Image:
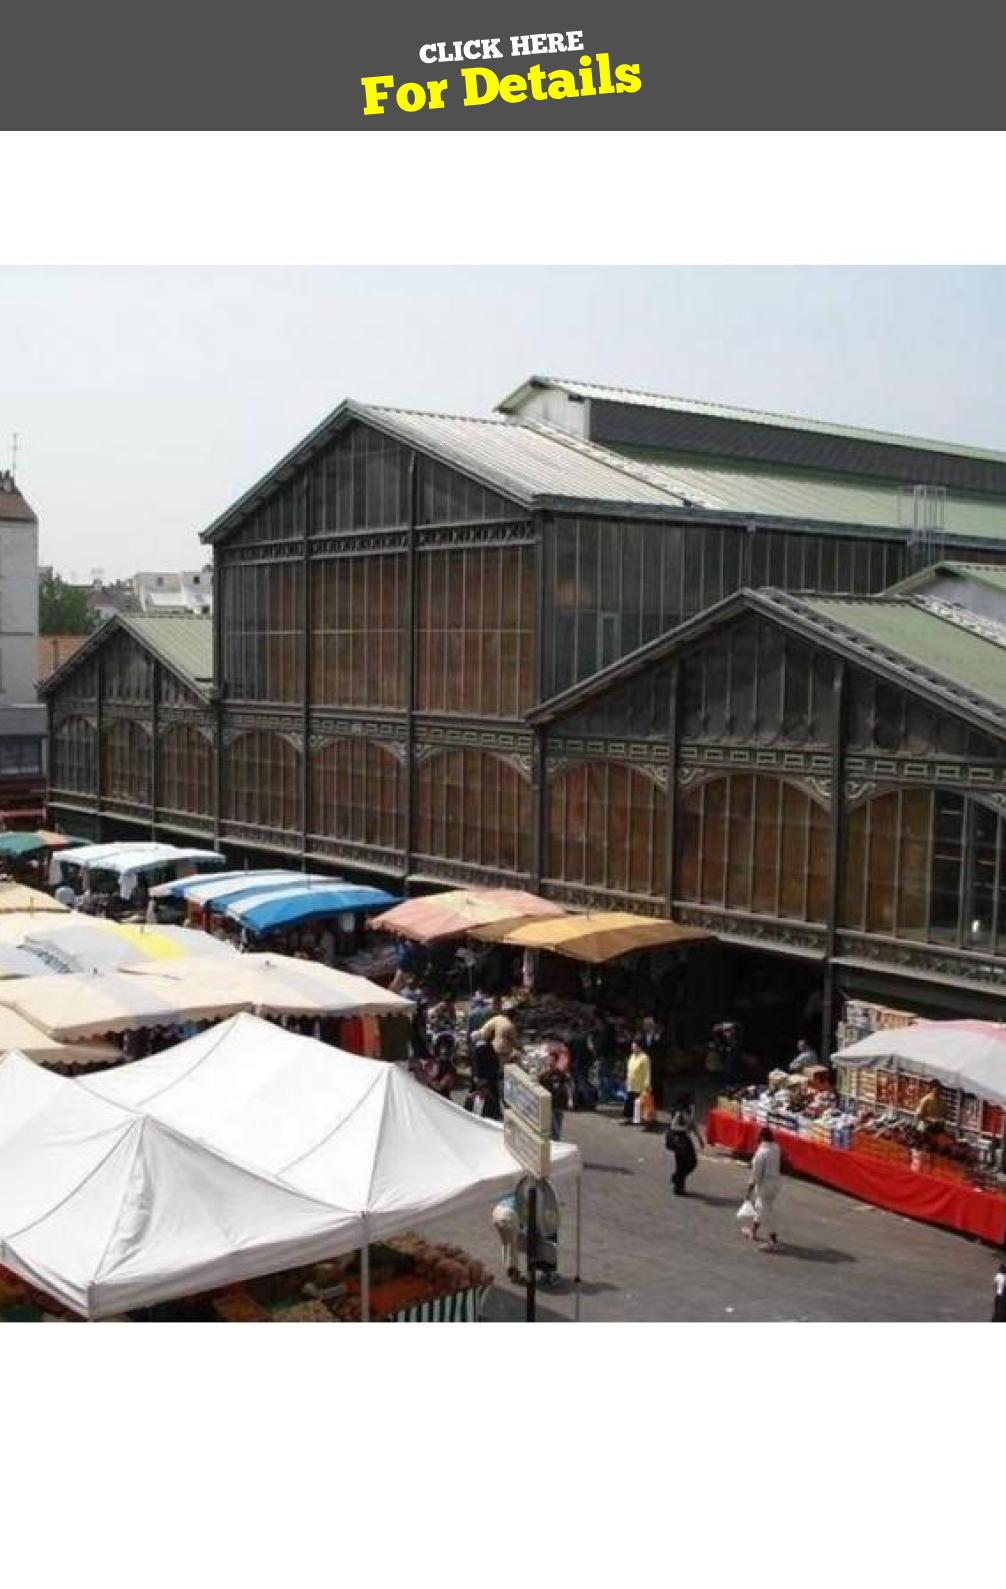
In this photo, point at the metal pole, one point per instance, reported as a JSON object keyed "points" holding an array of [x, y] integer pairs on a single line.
{"points": [[365, 1283], [532, 1246], [579, 1250]]}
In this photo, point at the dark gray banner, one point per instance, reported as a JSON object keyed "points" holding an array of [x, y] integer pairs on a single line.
{"points": [[564, 65]]}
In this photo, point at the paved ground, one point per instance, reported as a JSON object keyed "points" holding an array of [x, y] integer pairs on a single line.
{"points": [[648, 1255]]}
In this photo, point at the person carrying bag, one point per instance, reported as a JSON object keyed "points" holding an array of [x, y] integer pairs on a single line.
{"points": [[682, 1139]]}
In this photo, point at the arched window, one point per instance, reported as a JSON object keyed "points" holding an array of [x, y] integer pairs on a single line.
{"points": [[74, 763], [754, 844], [186, 771], [924, 864], [608, 829], [476, 807], [357, 793], [126, 762], [263, 781]]}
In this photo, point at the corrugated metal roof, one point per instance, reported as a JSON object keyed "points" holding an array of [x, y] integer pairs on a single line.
{"points": [[973, 662], [980, 573], [752, 416], [185, 644], [531, 463], [814, 495]]}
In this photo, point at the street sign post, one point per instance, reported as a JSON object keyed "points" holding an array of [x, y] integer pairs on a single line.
{"points": [[529, 1147], [522, 1095], [527, 1133]]}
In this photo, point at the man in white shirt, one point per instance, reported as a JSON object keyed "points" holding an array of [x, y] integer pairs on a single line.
{"points": [[766, 1179]]}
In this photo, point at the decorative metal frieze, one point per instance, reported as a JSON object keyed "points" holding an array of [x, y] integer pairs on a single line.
{"points": [[139, 712], [755, 758], [262, 838], [935, 770], [439, 870], [196, 823], [324, 728], [817, 788], [428, 540], [185, 716], [555, 766], [263, 552], [650, 751], [443, 736], [356, 543], [924, 960], [600, 898], [366, 857], [780, 934], [73, 716]]}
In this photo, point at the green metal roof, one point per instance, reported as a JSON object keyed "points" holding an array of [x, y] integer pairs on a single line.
{"points": [[751, 416], [926, 639], [981, 573], [811, 496], [185, 644]]}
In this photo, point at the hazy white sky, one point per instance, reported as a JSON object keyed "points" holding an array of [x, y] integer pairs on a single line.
{"points": [[147, 400]]}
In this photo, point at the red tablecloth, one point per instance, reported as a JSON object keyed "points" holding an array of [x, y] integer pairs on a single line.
{"points": [[877, 1181]]}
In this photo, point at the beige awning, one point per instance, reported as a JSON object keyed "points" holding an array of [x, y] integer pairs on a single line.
{"points": [[595, 936]]}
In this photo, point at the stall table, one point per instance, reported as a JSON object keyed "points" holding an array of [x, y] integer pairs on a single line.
{"points": [[914, 1193]]}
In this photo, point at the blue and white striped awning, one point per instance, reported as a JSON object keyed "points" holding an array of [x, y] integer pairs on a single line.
{"points": [[263, 912]]}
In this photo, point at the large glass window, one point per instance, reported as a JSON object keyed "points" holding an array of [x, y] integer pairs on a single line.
{"points": [[126, 762], [925, 864], [608, 829], [74, 762], [755, 682], [262, 777], [263, 631], [473, 806], [475, 631], [754, 844], [186, 771], [358, 612], [358, 794]]}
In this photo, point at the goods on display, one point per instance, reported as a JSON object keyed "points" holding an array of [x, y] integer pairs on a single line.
{"points": [[411, 1280]]}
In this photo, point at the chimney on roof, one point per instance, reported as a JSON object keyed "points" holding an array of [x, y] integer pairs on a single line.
{"points": [[7, 481]]}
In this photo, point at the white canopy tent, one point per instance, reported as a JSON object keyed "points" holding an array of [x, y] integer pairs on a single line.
{"points": [[970, 1055], [129, 861], [108, 1210], [243, 1151], [355, 1132]]}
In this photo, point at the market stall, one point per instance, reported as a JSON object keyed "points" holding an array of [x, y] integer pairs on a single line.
{"points": [[862, 1133], [457, 912], [17, 1033], [120, 867], [250, 1171], [92, 943], [271, 910], [595, 936]]}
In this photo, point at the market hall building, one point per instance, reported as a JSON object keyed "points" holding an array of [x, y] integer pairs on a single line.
{"points": [[628, 650]]}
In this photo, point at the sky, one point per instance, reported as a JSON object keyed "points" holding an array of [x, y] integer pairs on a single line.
{"points": [[147, 400]]}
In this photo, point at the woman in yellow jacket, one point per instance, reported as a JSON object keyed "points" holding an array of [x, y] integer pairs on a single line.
{"points": [[638, 1079]]}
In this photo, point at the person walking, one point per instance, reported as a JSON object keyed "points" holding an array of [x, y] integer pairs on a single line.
{"points": [[763, 1190], [637, 1080], [999, 1295], [554, 1081], [682, 1139], [500, 1031]]}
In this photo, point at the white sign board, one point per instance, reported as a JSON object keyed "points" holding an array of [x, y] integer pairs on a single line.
{"points": [[530, 1148], [532, 1103]]}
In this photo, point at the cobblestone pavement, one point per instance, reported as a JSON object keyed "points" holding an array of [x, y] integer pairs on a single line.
{"points": [[648, 1255]]}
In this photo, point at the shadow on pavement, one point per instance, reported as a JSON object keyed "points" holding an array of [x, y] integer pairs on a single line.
{"points": [[790, 1249], [608, 1169]]}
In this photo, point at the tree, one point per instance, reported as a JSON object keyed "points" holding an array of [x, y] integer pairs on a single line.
{"points": [[62, 608]]}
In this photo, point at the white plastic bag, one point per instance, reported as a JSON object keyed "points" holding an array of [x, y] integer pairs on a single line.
{"points": [[637, 1111], [747, 1210]]}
